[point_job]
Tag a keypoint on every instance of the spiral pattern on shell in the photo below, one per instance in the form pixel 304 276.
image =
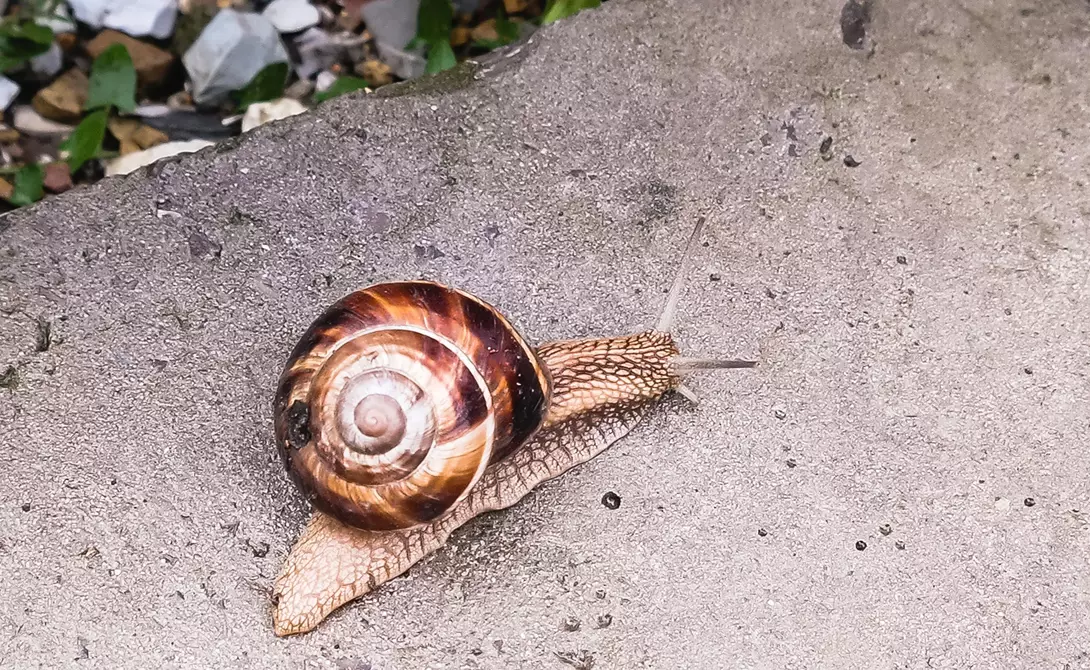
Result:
pixel 397 398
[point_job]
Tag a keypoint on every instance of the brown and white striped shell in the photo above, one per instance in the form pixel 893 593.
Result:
pixel 397 398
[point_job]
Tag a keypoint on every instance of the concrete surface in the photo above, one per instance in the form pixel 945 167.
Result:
pixel 921 320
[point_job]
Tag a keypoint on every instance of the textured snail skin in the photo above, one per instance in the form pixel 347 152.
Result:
pixel 480 392
pixel 601 388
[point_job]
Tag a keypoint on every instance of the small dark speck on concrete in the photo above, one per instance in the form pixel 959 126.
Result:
pixel 900 544
pixel 611 500
pixel 1029 502
pixel 854 17
pixel 604 620
pixel 715 276
pixel 793 150
pixel 10 378
pixel 1008 311
pixel 851 162
pixel 779 413
pixel 45 335
pixel 791 463
pixel 84 652
pixel 1026 11
pixel 1028 371
pixel 26 507
pixel 826 147
pixel 427 252
pixel 158 364
pixel 860 545
pixel 261 549
pixel 600 594
pixel 762 532
pixel 492 231
pixel 885 529
pixel 766 140
pixel 570 624
pixel 901 260
pixel 202 246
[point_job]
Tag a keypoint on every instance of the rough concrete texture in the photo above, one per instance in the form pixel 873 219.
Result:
pixel 920 320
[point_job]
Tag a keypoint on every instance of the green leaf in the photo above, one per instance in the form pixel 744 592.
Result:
pixel 434 20
pixel 113 80
pixel 28 185
pixel 440 57
pixel 86 140
pixel 340 87
pixel 27 31
pixel 266 85
pixel 562 9
pixel 21 41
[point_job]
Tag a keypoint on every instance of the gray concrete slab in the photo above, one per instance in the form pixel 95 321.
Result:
pixel 920 319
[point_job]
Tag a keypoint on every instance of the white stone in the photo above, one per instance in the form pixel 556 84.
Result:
pixel 48 64
pixel 317 51
pixel 8 91
pixel 91 12
pixel 291 16
pixel 261 113
pixel 229 52
pixel 138 159
pixel 59 21
pixel 30 122
pixel 325 80
pixel 393 25
pixel 139 18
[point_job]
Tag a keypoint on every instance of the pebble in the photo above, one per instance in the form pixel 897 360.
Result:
pixel 151 63
pixel 375 72
pixel 46 65
pixel 59 20
pixel 130 162
pixel 153 18
pixel 324 80
pixel 8 91
pixel 860 545
pixel 27 120
pixel 611 500
pixel 229 53
pixel 63 99
pixel 393 25
pixel 570 624
pixel 291 16
pixel 261 113
pixel 58 178
pixel 317 51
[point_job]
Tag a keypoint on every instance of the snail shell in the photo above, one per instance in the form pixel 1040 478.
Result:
pixel 397 398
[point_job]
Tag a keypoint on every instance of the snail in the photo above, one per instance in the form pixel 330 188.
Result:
pixel 408 408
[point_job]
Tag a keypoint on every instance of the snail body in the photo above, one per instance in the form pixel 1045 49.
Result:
pixel 408 408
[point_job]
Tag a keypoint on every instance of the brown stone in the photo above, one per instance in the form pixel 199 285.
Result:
pixel 147 137
pixel 514 6
pixel 63 99
pixel 375 72
pixel 8 134
pixel 459 36
pixel 129 147
pixel 67 41
pixel 6 189
pixel 152 63
pixel 122 129
pixel 57 178
pixel 486 31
